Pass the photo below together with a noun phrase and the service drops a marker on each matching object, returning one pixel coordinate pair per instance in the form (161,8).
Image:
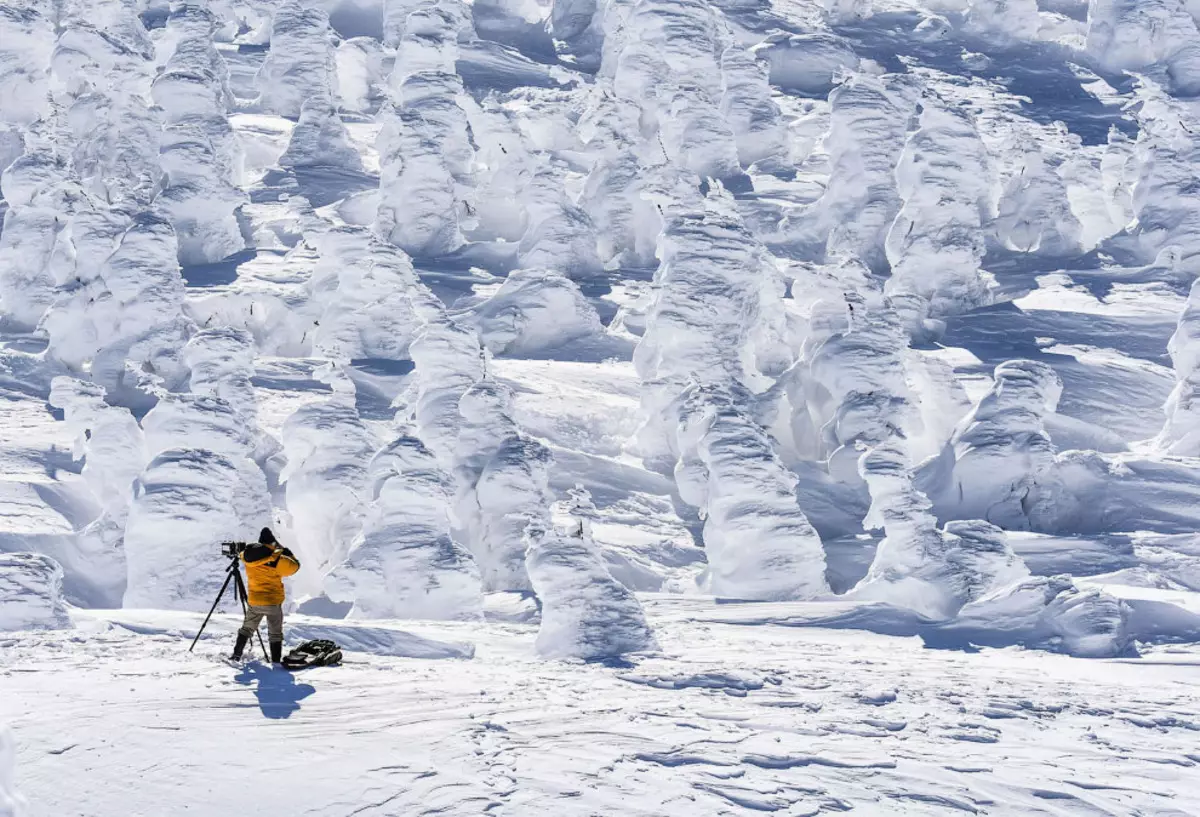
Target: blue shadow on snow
(277,691)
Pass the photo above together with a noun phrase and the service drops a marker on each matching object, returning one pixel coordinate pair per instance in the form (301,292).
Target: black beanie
(266,537)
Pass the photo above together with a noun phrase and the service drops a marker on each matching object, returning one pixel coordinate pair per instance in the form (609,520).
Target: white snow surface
(677,406)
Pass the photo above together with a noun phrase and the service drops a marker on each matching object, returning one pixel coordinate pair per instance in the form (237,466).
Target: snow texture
(31,595)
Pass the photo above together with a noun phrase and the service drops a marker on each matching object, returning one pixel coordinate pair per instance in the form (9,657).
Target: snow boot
(238,647)
(276,652)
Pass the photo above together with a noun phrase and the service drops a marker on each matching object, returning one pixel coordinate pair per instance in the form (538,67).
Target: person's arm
(286,562)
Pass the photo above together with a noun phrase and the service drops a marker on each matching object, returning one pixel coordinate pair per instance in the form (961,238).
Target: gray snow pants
(274,616)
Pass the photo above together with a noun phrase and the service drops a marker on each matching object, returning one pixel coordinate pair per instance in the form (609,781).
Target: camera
(232,550)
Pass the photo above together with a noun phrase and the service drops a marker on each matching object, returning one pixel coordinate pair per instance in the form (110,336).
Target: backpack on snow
(319,653)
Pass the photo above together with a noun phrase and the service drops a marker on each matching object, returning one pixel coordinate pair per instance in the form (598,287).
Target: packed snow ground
(117,719)
(879,313)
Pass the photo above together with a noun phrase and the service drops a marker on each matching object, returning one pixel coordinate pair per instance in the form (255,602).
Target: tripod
(232,573)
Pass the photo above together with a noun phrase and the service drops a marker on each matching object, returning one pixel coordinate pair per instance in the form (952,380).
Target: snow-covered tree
(586,613)
(936,243)
(1035,213)
(328,449)
(319,139)
(931,571)
(747,107)
(404,563)
(999,464)
(300,65)
(759,543)
(560,235)
(1146,35)
(1181,433)
(448,362)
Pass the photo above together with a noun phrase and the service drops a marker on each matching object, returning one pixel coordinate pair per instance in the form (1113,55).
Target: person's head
(265,537)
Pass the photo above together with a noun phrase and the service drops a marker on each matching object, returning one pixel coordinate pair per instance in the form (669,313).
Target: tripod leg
(245,599)
(211,610)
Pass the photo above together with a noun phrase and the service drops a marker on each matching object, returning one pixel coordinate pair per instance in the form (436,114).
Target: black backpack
(319,653)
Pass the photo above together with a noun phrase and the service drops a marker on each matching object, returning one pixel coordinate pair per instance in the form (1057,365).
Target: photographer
(266,564)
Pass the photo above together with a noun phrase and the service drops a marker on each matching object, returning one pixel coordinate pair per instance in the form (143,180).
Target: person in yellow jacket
(266,564)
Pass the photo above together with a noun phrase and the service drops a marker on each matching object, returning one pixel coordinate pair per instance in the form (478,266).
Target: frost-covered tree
(328,449)
(1181,433)
(868,118)
(586,613)
(1051,613)
(933,572)
(1035,213)
(31,598)
(502,483)
(534,311)
(404,563)
(560,235)
(320,139)
(747,107)
(999,464)
(26,44)
(1166,162)
(221,362)
(1137,35)
(372,304)
(448,362)
(936,243)
(111,444)
(300,64)
(759,543)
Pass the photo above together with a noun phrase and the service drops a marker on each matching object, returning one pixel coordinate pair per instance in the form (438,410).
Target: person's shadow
(277,691)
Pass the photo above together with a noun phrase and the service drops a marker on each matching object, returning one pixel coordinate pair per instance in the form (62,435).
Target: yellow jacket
(265,568)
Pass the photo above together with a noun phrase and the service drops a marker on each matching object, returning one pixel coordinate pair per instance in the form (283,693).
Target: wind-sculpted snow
(753,116)
(405,564)
(1049,612)
(560,235)
(936,243)
(448,362)
(586,613)
(1035,213)
(759,543)
(30,599)
(300,65)
(534,311)
(807,63)
(222,364)
(26,43)
(1000,463)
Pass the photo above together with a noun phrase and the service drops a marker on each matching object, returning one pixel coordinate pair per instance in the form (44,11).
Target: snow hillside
(597,340)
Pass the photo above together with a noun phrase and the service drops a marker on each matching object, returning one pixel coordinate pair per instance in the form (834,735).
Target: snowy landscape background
(677,407)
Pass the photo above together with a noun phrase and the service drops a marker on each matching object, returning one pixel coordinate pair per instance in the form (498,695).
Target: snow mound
(31,595)
(533,312)
(1048,612)
(11,804)
(378,641)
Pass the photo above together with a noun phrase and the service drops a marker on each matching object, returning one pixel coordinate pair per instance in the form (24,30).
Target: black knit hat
(266,537)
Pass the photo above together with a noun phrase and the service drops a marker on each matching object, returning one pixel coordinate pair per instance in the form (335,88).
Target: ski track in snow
(752,274)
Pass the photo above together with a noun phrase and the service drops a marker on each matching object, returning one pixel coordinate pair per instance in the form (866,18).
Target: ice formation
(586,613)
(404,563)
(31,595)
(1140,35)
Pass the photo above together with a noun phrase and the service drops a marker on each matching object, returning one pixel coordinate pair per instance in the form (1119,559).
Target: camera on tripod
(231,550)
